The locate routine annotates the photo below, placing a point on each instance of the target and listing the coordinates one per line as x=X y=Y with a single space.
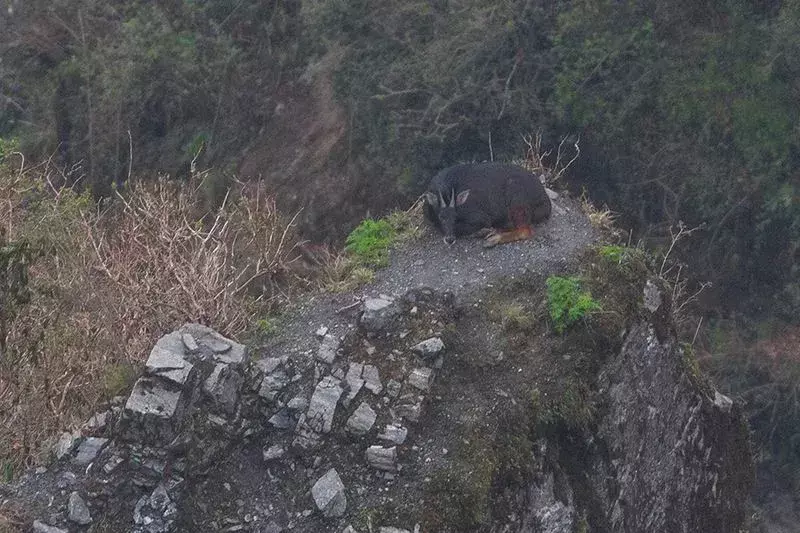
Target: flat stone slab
x=362 y=420
x=382 y=458
x=421 y=378
x=223 y=387
x=169 y=365
x=152 y=413
x=429 y=348
x=327 y=349
x=394 y=433
x=379 y=313
x=329 y=495
x=323 y=404
x=77 y=510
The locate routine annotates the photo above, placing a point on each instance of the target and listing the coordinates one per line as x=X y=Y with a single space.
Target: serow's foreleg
x=520 y=231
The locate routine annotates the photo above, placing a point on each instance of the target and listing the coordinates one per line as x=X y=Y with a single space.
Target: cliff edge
x=438 y=398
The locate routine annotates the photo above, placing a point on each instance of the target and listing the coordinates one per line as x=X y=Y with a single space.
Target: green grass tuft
x=567 y=302
x=369 y=242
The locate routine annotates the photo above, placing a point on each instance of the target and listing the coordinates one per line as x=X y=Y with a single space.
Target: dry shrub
x=106 y=283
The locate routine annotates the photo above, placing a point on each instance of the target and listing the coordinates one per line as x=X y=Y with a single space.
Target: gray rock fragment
x=362 y=420
x=349 y=529
x=392 y=530
x=97 y=422
x=189 y=343
x=153 y=413
x=409 y=406
x=66 y=443
x=354 y=382
x=372 y=379
x=155 y=513
x=652 y=296
x=382 y=458
x=41 y=527
x=322 y=331
x=722 y=402
x=272 y=385
x=327 y=349
x=421 y=378
x=77 y=510
x=223 y=387
x=214 y=346
x=268 y=365
x=274 y=452
x=329 y=495
x=282 y=420
x=169 y=365
x=393 y=388
x=112 y=464
x=379 y=313
x=429 y=348
x=298 y=403
x=323 y=404
x=394 y=433
x=89 y=449
x=553 y=195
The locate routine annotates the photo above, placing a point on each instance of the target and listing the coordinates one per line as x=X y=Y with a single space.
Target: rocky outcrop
x=371 y=412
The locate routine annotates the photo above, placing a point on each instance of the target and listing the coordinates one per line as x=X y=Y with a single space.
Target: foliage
x=369 y=242
x=104 y=284
x=567 y=302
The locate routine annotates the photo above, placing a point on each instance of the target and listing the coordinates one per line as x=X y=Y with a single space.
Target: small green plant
x=567 y=302
x=369 y=242
x=267 y=326
x=612 y=253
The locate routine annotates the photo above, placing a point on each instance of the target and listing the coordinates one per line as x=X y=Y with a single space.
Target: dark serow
x=498 y=201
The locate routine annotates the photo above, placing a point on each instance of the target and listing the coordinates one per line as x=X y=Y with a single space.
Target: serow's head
x=445 y=210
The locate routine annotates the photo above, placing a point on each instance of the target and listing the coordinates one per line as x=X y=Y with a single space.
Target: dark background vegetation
x=686 y=111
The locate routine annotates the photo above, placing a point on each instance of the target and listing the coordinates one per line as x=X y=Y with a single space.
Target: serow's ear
x=431 y=199
x=462 y=197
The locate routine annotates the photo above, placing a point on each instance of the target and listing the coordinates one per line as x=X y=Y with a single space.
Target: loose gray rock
x=323 y=404
x=421 y=378
x=394 y=433
x=321 y=331
x=272 y=385
x=382 y=458
x=372 y=379
x=276 y=451
x=213 y=345
x=155 y=513
x=393 y=530
x=41 y=527
x=223 y=387
x=189 y=343
x=89 y=449
x=362 y=420
x=268 y=365
x=327 y=349
x=722 y=402
x=66 y=443
x=652 y=296
x=393 y=388
x=77 y=510
x=379 y=313
x=429 y=348
x=298 y=403
x=169 y=365
x=409 y=406
x=354 y=382
x=282 y=420
x=97 y=422
x=329 y=495
x=153 y=413
x=349 y=529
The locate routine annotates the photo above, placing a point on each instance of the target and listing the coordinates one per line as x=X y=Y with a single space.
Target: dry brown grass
x=107 y=283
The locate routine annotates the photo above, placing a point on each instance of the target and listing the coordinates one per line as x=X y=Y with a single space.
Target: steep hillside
x=438 y=398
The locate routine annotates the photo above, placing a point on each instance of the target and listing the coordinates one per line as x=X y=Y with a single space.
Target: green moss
x=567 y=302
x=369 y=242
